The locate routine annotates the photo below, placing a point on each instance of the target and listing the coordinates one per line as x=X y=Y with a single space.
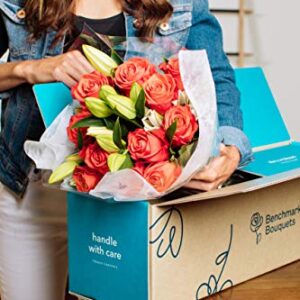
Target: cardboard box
x=197 y=244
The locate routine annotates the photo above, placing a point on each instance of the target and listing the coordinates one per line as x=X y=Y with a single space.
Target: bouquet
x=136 y=129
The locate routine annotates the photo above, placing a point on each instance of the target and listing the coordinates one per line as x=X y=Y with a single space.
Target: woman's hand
x=218 y=171
x=68 y=68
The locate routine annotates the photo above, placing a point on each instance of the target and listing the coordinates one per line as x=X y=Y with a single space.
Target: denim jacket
x=191 y=25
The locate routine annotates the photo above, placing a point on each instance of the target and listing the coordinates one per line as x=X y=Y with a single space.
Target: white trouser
x=33 y=244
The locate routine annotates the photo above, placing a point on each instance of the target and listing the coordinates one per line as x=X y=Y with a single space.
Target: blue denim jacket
x=191 y=25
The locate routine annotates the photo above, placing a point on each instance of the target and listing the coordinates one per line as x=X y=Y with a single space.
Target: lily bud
x=152 y=120
x=118 y=162
x=95 y=131
x=135 y=91
x=98 y=107
x=105 y=91
x=104 y=138
x=123 y=105
x=100 y=60
x=64 y=170
x=74 y=157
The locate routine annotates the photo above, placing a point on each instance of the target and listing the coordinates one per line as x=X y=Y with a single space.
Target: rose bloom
x=73 y=132
x=187 y=124
x=160 y=90
x=95 y=158
x=162 y=175
x=137 y=70
x=172 y=67
x=148 y=146
x=89 y=86
x=139 y=167
x=85 y=178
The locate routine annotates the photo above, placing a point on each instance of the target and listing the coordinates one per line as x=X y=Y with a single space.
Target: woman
x=33 y=259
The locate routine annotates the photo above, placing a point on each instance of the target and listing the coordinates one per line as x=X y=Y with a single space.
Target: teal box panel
x=52 y=98
x=108 y=248
x=263 y=122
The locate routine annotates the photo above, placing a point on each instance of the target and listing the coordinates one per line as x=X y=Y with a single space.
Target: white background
x=272 y=33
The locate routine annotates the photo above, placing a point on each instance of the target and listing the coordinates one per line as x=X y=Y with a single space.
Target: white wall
x=272 y=33
x=276 y=36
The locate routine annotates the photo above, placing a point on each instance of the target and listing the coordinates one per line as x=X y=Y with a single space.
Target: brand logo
x=256 y=222
x=273 y=223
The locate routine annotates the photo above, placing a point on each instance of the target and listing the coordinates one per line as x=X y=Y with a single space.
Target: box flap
x=275 y=160
x=51 y=98
x=241 y=188
x=263 y=123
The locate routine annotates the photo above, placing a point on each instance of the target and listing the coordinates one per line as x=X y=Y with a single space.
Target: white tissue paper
x=127 y=185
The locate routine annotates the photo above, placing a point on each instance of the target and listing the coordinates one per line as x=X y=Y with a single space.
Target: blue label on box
x=275 y=161
x=108 y=248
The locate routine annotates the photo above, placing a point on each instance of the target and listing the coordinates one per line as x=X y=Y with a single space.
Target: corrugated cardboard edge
x=245 y=187
x=80 y=297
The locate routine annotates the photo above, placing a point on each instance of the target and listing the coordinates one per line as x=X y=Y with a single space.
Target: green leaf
x=109 y=123
x=88 y=122
x=171 y=132
x=117 y=161
x=165 y=59
x=116 y=57
x=90 y=40
x=132 y=121
x=117 y=135
x=79 y=139
x=128 y=164
x=140 y=104
x=185 y=153
x=135 y=91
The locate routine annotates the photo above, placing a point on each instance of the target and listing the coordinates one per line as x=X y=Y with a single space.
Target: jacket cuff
x=232 y=136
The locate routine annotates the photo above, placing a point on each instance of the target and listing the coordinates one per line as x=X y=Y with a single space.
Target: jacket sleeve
x=206 y=33
x=3 y=37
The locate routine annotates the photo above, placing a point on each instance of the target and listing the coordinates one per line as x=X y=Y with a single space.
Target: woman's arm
x=67 y=68
x=206 y=33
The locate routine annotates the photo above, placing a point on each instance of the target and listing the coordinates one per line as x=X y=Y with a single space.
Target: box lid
x=51 y=98
x=263 y=122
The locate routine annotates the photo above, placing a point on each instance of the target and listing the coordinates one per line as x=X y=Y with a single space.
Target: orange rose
x=148 y=146
x=139 y=167
x=136 y=69
x=73 y=132
x=86 y=179
x=95 y=158
x=89 y=86
x=162 y=175
x=187 y=124
x=160 y=90
x=172 y=67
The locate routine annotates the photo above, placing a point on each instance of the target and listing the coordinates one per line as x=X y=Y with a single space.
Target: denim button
x=21 y=14
x=165 y=26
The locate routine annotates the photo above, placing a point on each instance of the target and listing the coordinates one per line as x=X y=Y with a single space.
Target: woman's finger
x=64 y=77
x=82 y=63
x=202 y=185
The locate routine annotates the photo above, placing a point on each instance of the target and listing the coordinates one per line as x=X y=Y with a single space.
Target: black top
x=114 y=26
x=3 y=37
